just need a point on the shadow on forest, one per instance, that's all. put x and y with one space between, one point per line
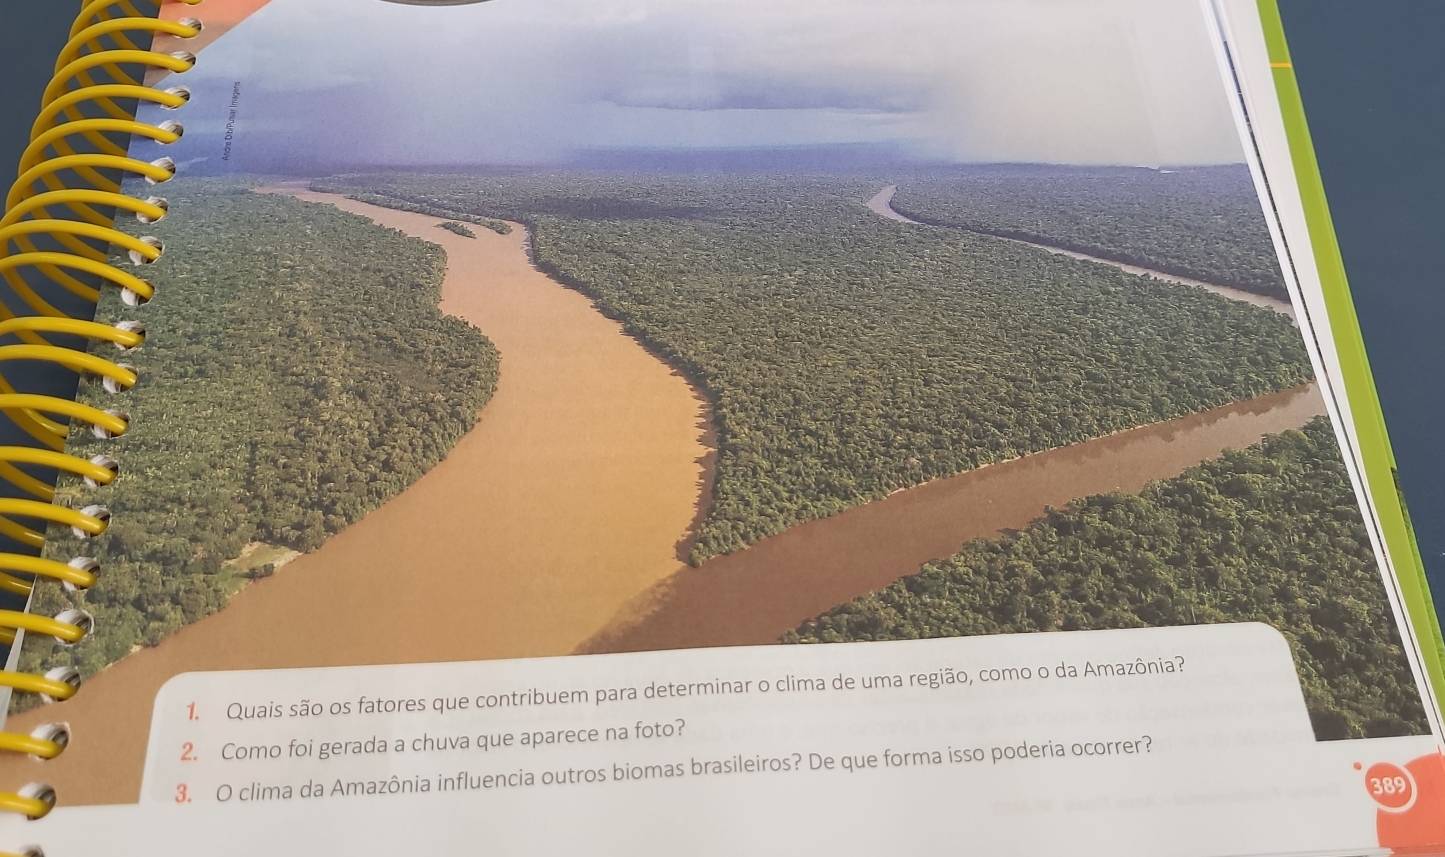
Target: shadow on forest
707 435
616 208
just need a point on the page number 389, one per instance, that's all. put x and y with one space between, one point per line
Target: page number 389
1390 785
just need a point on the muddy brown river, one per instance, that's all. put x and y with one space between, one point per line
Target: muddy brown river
555 524
568 497
770 588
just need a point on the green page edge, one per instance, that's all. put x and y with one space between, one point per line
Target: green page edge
1369 421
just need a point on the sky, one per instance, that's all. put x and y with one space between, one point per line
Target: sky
545 81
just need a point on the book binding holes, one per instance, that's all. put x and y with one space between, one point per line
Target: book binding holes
58 241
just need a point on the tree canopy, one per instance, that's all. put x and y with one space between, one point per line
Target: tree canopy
1270 534
1199 222
296 374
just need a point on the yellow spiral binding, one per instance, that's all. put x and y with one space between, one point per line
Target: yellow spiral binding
64 197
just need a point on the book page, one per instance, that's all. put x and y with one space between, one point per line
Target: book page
730 428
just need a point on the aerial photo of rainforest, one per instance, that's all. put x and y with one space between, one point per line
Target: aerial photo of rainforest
672 325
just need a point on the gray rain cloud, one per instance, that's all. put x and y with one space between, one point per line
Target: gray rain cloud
340 82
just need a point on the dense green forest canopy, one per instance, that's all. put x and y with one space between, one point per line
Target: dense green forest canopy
847 356
1198 222
1267 534
457 228
296 374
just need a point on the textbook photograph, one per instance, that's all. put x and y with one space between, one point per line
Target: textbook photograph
709 423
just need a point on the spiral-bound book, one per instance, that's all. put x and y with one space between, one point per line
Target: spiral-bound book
675 426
